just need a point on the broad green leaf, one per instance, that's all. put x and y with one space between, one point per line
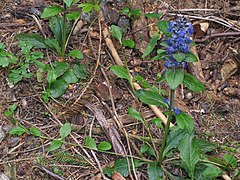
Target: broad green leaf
120 72
153 15
76 54
129 43
154 171
50 11
17 130
73 16
192 83
90 143
179 56
150 97
52 44
163 26
35 131
135 114
230 159
79 71
145 148
10 110
108 171
69 77
151 45
174 77
55 144
135 13
142 81
89 7
211 172
184 121
2 46
189 152
191 57
205 146
65 130
104 146
60 67
58 88
173 139
34 39
69 3
158 122
51 76
116 32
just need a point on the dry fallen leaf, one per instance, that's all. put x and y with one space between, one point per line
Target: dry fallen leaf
200 28
117 176
229 68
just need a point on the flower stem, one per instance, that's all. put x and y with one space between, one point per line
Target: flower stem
64 31
166 131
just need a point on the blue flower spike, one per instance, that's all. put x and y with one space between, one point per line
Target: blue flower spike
181 30
176 110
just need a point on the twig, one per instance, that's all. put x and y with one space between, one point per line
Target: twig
50 172
217 35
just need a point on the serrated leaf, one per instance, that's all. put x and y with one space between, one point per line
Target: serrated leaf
10 110
163 26
230 159
79 71
50 11
154 171
55 144
69 3
184 121
58 88
174 77
116 32
151 45
189 152
191 57
150 97
104 146
69 77
179 56
129 43
90 143
153 15
17 130
76 54
120 72
35 131
135 114
192 83
65 130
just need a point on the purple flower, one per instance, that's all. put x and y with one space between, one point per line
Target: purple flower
175 109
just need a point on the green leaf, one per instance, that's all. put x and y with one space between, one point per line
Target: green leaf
145 148
230 160
135 13
104 146
150 97
129 43
211 172
35 131
51 11
173 139
174 77
2 46
153 15
58 88
157 122
151 45
163 26
60 67
191 57
120 72
135 114
10 110
179 56
90 143
73 16
154 171
189 152
17 130
76 54
52 44
192 83
51 76
89 7
205 146
116 32
34 39
108 171
69 3
65 130
69 77
184 121
79 71
55 144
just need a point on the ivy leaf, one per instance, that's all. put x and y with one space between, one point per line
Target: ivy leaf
184 121
65 130
151 45
174 77
104 146
154 171
35 131
76 54
17 130
55 144
192 83
129 43
116 32
135 114
191 57
150 97
90 143
50 11
120 72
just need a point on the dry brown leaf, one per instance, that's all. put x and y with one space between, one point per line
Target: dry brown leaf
117 176
200 28
78 27
229 68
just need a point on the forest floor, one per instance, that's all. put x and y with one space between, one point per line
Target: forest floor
216 111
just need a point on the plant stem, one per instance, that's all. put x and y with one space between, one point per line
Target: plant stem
64 31
166 131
